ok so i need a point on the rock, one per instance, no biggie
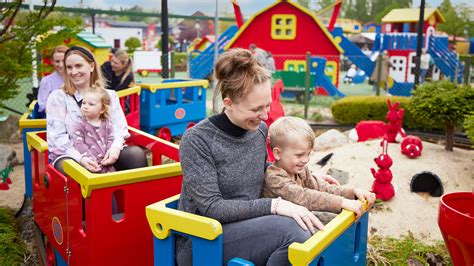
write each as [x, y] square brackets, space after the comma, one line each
[339, 175]
[10, 129]
[330, 139]
[7, 157]
[352, 135]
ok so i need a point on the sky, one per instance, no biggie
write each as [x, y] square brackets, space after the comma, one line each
[187, 7]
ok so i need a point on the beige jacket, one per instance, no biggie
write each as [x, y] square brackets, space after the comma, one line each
[305, 190]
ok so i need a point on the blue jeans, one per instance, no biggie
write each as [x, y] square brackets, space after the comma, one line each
[423, 74]
[263, 240]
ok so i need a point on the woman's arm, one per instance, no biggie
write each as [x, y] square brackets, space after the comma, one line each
[201, 188]
[125, 84]
[58, 139]
[43, 93]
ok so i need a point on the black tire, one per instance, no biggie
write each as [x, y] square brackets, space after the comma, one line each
[45, 256]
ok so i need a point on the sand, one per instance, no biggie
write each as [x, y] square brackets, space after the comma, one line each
[407, 211]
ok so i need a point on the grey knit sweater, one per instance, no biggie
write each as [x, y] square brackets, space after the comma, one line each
[223, 174]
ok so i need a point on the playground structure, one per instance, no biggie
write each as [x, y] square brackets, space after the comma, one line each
[288, 31]
[399, 39]
[289, 43]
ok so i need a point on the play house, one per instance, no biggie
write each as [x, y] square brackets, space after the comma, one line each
[406, 20]
[289, 31]
[95, 43]
[399, 27]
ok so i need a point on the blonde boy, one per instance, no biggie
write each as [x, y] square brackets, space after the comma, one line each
[292, 141]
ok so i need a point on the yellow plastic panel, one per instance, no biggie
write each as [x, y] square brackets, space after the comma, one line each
[283, 27]
[304, 253]
[163, 219]
[90, 181]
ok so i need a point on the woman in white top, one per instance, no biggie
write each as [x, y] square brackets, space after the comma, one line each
[64, 112]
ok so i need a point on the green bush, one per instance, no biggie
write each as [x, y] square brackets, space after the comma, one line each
[132, 44]
[180, 59]
[443, 104]
[12, 248]
[353, 109]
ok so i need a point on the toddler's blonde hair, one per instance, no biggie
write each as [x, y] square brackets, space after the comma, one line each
[104, 100]
[287, 130]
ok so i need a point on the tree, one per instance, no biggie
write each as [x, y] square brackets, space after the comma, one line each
[454, 24]
[358, 11]
[24, 31]
[323, 3]
[304, 3]
[170, 44]
[469, 126]
[132, 44]
[443, 104]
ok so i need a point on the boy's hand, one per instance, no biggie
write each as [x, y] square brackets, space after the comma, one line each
[353, 206]
[363, 195]
[331, 180]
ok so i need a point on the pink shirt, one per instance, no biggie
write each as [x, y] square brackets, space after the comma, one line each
[63, 114]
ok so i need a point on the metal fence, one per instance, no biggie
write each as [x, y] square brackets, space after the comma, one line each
[331, 75]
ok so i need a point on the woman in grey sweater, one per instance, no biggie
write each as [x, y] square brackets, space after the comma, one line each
[223, 159]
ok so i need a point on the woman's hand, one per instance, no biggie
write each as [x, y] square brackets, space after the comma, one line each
[331, 180]
[363, 195]
[90, 164]
[111, 156]
[300, 214]
[353, 206]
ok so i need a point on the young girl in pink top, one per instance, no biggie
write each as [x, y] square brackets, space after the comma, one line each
[93, 135]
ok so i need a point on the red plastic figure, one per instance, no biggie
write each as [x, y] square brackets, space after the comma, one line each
[412, 146]
[382, 186]
[276, 111]
[371, 129]
[395, 120]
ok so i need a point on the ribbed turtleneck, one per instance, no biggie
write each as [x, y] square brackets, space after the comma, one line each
[223, 123]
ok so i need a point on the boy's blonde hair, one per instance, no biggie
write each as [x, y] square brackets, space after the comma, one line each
[288, 129]
[104, 100]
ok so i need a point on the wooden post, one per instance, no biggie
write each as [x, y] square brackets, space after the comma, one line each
[307, 80]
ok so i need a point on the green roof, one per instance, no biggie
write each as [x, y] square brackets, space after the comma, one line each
[93, 40]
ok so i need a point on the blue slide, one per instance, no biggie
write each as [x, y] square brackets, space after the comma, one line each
[444, 59]
[317, 66]
[354, 53]
[201, 66]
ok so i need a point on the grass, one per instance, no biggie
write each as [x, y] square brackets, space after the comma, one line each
[391, 251]
[11, 247]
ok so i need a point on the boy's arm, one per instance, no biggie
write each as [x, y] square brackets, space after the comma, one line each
[321, 185]
[280, 185]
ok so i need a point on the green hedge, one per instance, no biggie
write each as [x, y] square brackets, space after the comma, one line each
[353, 109]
